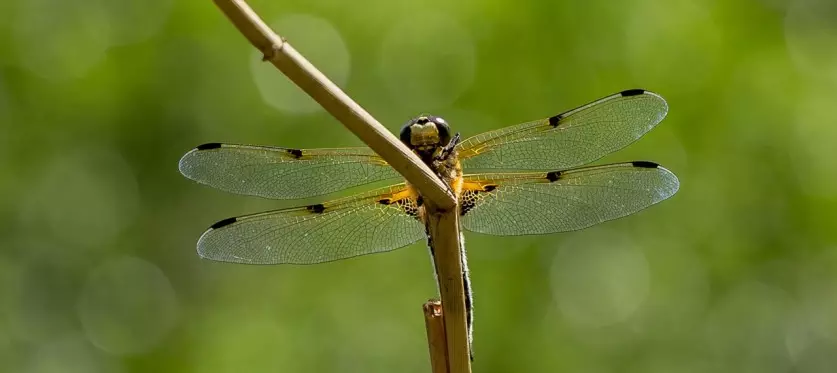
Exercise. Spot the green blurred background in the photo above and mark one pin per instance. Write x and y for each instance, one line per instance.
(99, 99)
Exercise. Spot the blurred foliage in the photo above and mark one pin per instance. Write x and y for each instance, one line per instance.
(99, 99)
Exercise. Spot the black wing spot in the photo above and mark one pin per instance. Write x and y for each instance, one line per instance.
(489, 188)
(295, 152)
(385, 201)
(419, 201)
(317, 209)
(644, 164)
(211, 145)
(223, 223)
(632, 92)
(553, 176)
(554, 121)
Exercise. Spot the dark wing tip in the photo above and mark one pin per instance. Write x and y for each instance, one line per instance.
(207, 146)
(223, 223)
(645, 164)
(632, 92)
(317, 209)
(296, 153)
(553, 176)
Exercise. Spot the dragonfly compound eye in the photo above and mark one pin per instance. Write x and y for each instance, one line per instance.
(405, 133)
(443, 129)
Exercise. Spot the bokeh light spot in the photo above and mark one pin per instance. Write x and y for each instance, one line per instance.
(41, 303)
(599, 283)
(748, 327)
(60, 40)
(811, 34)
(813, 150)
(818, 293)
(72, 354)
(427, 61)
(265, 348)
(320, 43)
(5, 130)
(658, 29)
(81, 197)
(820, 358)
(127, 306)
(135, 20)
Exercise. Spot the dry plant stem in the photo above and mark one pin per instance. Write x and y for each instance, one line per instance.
(435, 324)
(444, 218)
(336, 102)
(443, 227)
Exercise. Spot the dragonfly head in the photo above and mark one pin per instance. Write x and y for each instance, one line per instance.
(426, 133)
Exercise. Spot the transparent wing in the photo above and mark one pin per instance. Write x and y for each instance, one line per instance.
(567, 140)
(540, 203)
(283, 173)
(373, 222)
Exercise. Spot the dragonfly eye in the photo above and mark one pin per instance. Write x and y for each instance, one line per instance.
(444, 130)
(406, 133)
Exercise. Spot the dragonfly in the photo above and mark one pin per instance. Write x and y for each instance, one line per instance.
(526, 179)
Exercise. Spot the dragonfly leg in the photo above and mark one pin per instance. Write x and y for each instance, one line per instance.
(449, 148)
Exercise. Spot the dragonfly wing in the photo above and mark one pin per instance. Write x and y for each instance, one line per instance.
(558, 201)
(283, 173)
(368, 223)
(567, 140)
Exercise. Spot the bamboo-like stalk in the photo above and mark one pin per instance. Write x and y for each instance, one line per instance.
(443, 228)
(442, 205)
(435, 324)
